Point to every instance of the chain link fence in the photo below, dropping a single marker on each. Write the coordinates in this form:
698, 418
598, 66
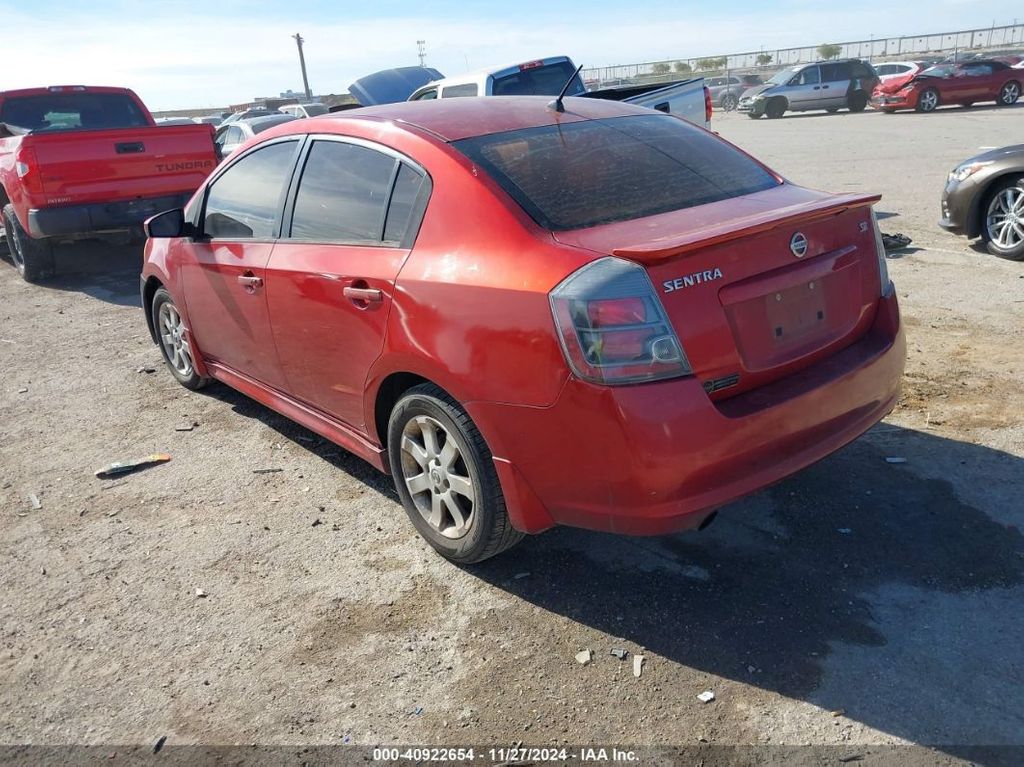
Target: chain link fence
970, 41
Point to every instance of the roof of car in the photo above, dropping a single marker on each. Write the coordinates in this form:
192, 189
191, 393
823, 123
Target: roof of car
458, 118
265, 120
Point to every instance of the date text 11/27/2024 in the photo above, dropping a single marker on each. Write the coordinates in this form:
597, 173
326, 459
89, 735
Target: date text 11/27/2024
504, 754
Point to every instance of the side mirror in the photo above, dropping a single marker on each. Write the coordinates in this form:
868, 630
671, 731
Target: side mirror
170, 223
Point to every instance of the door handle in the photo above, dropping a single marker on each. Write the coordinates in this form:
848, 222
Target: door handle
250, 281
366, 295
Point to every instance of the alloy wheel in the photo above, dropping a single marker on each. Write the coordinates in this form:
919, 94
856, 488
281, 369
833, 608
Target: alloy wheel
929, 100
172, 339
437, 477
1010, 93
1005, 220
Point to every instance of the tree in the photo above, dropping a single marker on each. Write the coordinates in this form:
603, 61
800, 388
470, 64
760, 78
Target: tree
683, 68
763, 58
829, 51
661, 68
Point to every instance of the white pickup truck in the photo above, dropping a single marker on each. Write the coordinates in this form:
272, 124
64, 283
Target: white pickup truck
688, 99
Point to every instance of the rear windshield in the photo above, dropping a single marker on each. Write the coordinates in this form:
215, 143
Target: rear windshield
314, 110
72, 111
544, 80
599, 171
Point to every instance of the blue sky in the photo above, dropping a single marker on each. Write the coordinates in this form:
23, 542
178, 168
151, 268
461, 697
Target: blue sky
181, 53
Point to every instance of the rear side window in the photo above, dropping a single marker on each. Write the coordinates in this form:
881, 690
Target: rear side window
403, 206
467, 89
863, 71
343, 194
831, 73
597, 171
73, 111
243, 203
538, 80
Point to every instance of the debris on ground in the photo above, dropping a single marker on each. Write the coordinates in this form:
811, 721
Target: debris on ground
200, 594
638, 665
895, 241
118, 468
895, 459
34, 500
22, 390
418, 711
851, 758
706, 697
159, 744
583, 657
316, 522
266, 471
839, 712
619, 653
186, 426
145, 369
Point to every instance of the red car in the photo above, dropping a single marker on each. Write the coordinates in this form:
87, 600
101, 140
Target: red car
966, 83
603, 317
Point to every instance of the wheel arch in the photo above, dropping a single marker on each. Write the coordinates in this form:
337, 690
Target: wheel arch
149, 288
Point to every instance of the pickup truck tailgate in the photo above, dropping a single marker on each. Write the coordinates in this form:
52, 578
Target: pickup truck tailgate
110, 165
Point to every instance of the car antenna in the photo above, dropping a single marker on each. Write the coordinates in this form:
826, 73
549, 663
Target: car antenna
557, 103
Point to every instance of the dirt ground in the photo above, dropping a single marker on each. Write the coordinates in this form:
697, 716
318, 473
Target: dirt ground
859, 603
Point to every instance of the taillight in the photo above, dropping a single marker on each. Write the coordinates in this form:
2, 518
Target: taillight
883, 267
27, 168
708, 109
612, 326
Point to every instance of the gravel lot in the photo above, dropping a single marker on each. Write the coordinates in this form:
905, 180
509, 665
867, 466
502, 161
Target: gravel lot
892, 592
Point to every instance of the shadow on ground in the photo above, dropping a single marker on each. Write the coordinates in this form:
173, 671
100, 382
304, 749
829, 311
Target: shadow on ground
791, 575
99, 269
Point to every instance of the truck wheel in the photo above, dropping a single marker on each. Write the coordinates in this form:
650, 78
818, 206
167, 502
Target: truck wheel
445, 476
174, 346
1003, 225
857, 102
32, 258
776, 108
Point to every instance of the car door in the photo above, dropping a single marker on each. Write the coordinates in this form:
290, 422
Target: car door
223, 269
804, 89
835, 83
353, 214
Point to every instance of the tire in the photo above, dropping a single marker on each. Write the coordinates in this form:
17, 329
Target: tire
928, 100
463, 527
729, 102
1005, 240
775, 108
857, 101
754, 115
1009, 93
32, 258
174, 348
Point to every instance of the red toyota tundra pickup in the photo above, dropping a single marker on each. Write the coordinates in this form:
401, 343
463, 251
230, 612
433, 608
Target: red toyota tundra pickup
79, 162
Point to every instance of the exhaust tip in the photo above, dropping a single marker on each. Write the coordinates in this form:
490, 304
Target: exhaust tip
707, 521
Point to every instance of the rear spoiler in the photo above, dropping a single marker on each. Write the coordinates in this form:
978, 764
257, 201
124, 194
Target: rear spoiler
734, 229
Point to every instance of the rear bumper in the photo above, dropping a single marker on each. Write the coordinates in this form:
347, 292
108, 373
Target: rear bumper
657, 458
99, 217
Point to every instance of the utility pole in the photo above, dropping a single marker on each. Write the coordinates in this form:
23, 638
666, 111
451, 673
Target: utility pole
302, 62
421, 46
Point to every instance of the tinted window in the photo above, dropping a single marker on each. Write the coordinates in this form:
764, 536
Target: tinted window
596, 171
403, 204
315, 110
831, 73
427, 95
468, 89
70, 111
538, 80
243, 202
978, 70
343, 194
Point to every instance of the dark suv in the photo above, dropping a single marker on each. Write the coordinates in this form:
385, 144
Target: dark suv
828, 85
726, 90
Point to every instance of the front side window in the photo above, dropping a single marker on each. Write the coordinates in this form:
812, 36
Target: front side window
809, 76
427, 95
343, 194
243, 202
581, 174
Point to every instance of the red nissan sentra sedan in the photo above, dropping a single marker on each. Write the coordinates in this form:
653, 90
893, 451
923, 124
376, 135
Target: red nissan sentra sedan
604, 317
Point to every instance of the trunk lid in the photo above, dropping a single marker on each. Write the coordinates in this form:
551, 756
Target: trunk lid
746, 308
85, 166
